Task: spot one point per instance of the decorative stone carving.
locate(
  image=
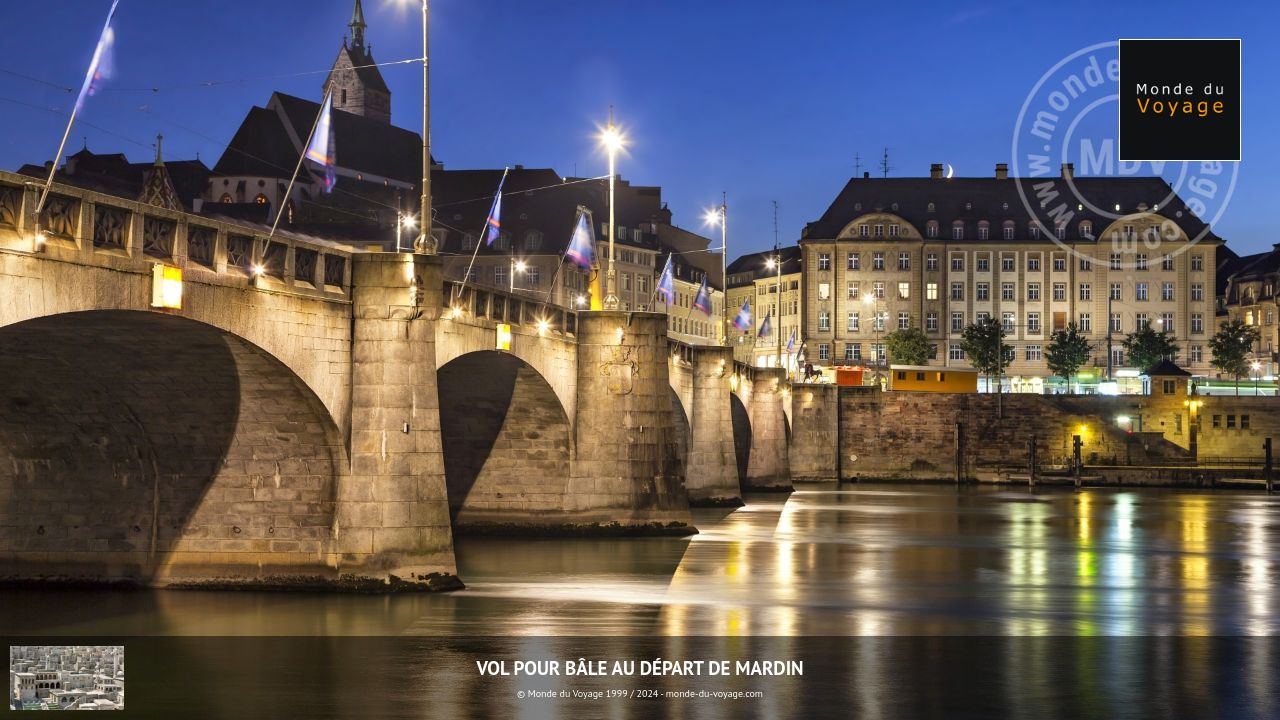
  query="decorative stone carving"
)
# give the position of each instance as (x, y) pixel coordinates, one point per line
(110, 227)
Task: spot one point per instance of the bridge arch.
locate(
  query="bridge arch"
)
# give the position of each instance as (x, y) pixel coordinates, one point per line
(507, 440)
(145, 446)
(741, 435)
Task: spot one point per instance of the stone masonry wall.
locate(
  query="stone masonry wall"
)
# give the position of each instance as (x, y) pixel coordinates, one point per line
(625, 470)
(138, 446)
(506, 441)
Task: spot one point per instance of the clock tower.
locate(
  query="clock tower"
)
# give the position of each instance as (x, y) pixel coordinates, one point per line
(358, 87)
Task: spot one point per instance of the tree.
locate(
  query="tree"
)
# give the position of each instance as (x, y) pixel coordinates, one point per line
(983, 344)
(1147, 347)
(907, 347)
(1231, 346)
(1066, 352)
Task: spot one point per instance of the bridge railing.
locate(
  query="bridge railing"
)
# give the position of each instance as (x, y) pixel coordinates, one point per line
(93, 228)
(487, 303)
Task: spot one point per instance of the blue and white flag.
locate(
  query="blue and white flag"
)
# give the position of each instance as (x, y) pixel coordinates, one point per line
(493, 225)
(666, 284)
(582, 247)
(743, 321)
(791, 341)
(702, 301)
(320, 149)
(766, 327)
(100, 65)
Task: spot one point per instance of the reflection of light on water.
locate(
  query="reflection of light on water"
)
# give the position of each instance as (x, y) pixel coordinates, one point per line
(1193, 514)
(1257, 573)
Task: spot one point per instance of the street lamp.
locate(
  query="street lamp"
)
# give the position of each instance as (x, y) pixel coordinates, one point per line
(407, 222)
(870, 299)
(517, 266)
(775, 263)
(1257, 367)
(613, 140)
(422, 244)
(720, 216)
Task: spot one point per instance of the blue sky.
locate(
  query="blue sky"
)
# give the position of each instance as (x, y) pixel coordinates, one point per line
(762, 100)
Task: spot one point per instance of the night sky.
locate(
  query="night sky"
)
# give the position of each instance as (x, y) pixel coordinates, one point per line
(763, 100)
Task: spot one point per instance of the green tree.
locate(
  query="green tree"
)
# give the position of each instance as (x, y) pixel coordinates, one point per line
(1146, 347)
(1066, 352)
(1231, 346)
(983, 344)
(907, 347)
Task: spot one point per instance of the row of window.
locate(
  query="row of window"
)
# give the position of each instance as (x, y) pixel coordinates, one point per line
(1008, 291)
(691, 326)
(1141, 261)
(1030, 353)
(1032, 325)
(1009, 229)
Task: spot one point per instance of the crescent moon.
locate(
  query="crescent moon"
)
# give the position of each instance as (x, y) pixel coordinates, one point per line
(950, 171)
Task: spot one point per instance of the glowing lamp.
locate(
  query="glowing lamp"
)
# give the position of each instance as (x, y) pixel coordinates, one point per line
(166, 287)
(504, 337)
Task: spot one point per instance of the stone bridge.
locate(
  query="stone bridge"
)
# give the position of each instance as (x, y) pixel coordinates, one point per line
(314, 414)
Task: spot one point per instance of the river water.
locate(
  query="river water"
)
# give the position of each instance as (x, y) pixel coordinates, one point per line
(1032, 596)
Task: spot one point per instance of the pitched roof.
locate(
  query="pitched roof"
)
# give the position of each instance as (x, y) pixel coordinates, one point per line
(972, 199)
(113, 174)
(754, 266)
(1165, 368)
(263, 146)
(366, 68)
(538, 200)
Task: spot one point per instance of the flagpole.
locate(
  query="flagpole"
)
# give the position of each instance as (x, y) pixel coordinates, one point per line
(301, 156)
(467, 275)
(75, 110)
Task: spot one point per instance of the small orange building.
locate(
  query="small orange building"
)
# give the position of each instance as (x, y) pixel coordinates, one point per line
(922, 378)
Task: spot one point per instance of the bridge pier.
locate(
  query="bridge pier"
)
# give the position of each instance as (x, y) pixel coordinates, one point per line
(625, 472)
(391, 522)
(768, 467)
(711, 473)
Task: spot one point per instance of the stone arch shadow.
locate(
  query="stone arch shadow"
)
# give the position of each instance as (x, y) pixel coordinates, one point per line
(507, 442)
(142, 446)
(680, 429)
(741, 436)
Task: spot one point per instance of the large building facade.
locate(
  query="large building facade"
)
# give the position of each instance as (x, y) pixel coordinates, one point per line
(940, 253)
(1249, 294)
(769, 291)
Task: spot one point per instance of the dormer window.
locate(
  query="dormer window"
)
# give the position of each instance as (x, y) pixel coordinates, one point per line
(957, 230)
(1086, 229)
(931, 227)
(984, 230)
(931, 207)
(1007, 230)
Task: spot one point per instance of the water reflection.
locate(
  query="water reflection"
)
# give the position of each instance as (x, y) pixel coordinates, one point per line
(828, 560)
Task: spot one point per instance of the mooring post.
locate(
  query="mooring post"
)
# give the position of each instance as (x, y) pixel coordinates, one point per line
(1031, 461)
(1076, 445)
(1266, 466)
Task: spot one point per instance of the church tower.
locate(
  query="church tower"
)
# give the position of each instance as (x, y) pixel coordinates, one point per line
(357, 84)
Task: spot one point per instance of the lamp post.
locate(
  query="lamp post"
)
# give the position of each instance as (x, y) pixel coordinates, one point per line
(517, 266)
(1257, 368)
(426, 136)
(720, 216)
(611, 138)
(775, 263)
(870, 299)
(406, 222)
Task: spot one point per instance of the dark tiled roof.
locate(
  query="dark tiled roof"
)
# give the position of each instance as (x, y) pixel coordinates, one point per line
(263, 147)
(756, 265)
(1165, 368)
(538, 200)
(973, 199)
(113, 174)
(682, 269)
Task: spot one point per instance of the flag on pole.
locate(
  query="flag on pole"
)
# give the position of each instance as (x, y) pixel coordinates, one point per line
(493, 225)
(100, 65)
(743, 321)
(702, 300)
(791, 341)
(666, 284)
(766, 327)
(582, 247)
(320, 149)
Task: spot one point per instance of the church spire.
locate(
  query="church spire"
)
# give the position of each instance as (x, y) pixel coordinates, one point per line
(357, 26)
